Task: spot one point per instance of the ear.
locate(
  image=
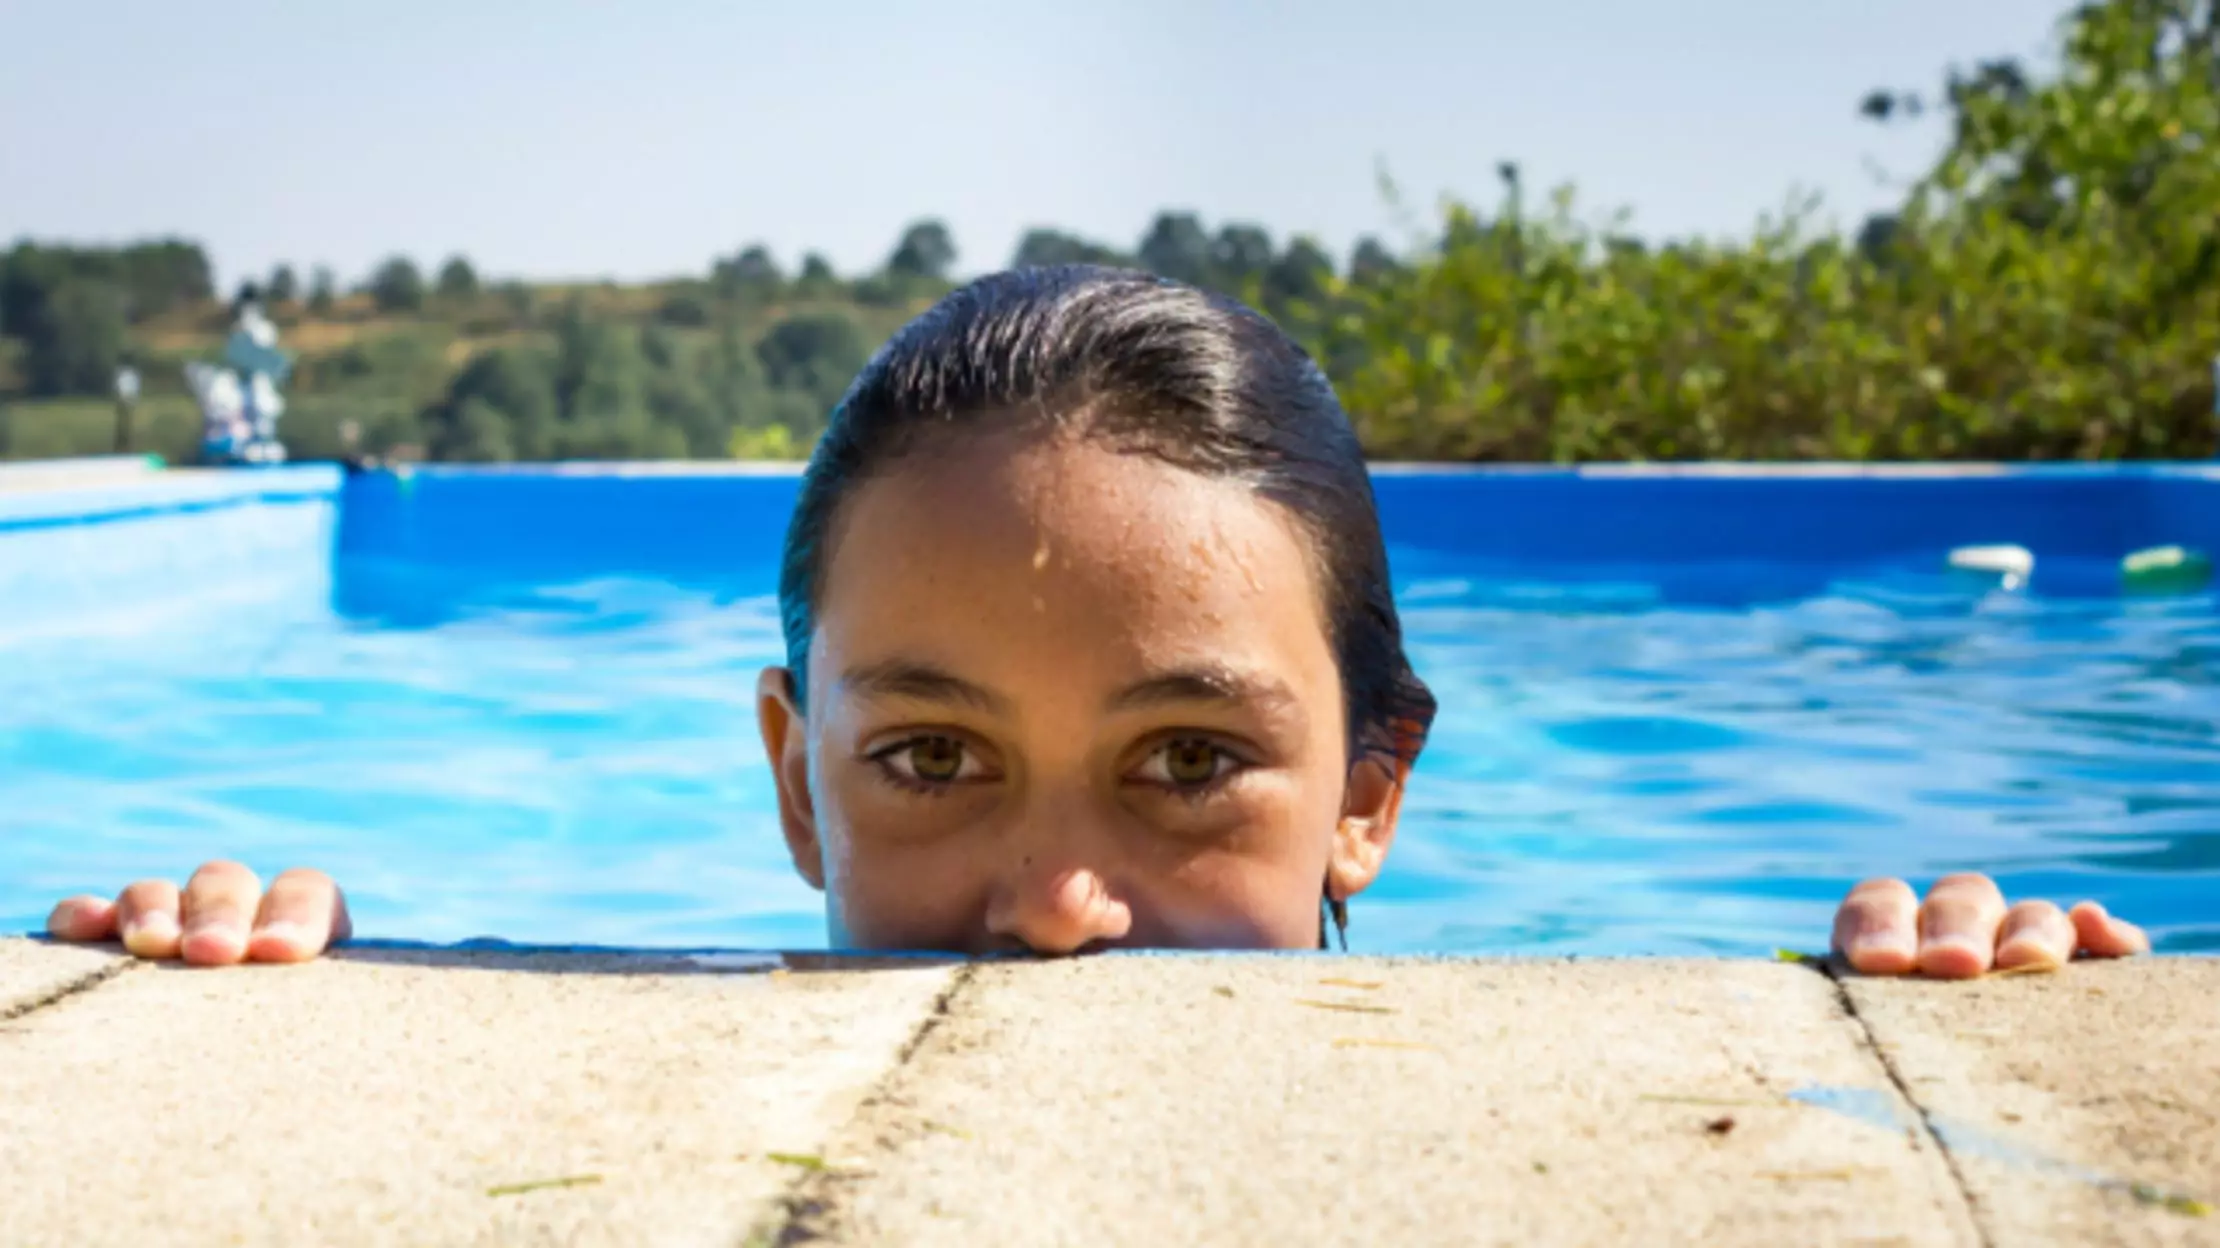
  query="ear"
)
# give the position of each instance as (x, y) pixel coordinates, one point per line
(786, 743)
(1369, 810)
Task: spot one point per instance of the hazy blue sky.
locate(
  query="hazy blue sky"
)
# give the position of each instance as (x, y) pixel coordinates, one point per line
(553, 138)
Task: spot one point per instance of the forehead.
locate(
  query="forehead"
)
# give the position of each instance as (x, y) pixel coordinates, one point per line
(1118, 561)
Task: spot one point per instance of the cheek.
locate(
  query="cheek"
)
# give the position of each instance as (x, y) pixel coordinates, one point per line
(1246, 873)
(1275, 872)
(1267, 819)
(892, 895)
(902, 871)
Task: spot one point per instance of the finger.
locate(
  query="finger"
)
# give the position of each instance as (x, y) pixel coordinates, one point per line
(219, 907)
(147, 918)
(2103, 936)
(82, 918)
(1876, 928)
(301, 914)
(1958, 927)
(2035, 934)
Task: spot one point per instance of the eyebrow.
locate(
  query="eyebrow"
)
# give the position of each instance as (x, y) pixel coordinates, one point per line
(912, 681)
(1207, 683)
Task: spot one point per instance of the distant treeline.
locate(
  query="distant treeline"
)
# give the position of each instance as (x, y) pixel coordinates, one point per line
(2050, 289)
(746, 359)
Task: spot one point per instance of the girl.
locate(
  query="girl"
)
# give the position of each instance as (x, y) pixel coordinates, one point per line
(1089, 644)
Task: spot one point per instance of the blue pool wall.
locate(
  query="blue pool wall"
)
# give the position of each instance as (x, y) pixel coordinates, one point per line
(1541, 520)
(273, 533)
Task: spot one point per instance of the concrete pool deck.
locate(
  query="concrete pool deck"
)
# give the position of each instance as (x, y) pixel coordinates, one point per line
(449, 1096)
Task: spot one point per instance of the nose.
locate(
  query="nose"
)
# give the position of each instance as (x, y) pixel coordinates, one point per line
(1058, 910)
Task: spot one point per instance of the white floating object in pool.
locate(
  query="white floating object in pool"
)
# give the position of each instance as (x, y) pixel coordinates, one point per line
(2167, 570)
(2011, 565)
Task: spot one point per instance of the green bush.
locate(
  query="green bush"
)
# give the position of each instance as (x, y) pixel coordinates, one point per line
(2048, 292)
(167, 425)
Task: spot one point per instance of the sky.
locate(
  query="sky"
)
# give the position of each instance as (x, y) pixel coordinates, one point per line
(560, 139)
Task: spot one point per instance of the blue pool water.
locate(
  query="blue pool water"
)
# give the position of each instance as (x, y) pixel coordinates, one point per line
(1693, 758)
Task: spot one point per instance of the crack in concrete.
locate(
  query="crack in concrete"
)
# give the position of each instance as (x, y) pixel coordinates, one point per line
(806, 1211)
(801, 1210)
(1925, 1122)
(62, 992)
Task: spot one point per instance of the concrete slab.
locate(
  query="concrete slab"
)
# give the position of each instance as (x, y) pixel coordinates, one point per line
(409, 1096)
(2081, 1107)
(1311, 1100)
(396, 1097)
(33, 972)
(71, 474)
(32, 499)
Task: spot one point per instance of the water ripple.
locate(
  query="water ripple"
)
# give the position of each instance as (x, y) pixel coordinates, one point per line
(1613, 770)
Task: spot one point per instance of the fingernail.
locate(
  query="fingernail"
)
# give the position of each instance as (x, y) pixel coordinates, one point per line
(1954, 953)
(152, 931)
(1870, 943)
(154, 923)
(284, 932)
(229, 937)
(2027, 950)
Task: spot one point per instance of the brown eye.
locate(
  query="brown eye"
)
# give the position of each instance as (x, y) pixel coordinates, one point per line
(1192, 768)
(936, 760)
(1192, 762)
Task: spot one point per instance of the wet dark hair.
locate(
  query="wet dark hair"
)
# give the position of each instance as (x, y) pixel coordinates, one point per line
(1151, 367)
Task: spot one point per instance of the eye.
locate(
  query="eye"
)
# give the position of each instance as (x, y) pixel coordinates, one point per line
(929, 761)
(1189, 763)
(938, 759)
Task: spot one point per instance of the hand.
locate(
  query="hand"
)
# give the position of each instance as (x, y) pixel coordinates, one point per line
(1965, 929)
(222, 918)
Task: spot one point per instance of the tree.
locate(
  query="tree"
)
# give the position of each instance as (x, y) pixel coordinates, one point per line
(660, 348)
(478, 433)
(153, 277)
(502, 405)
(2135, 97)
(1176, 246)
(1240, 254)
(1878, 236)
(520, 301)
(752, 273)
(732, 377)
(599, 371)
(1300, 274)
(72, 344)
(817, 273)
(397, 286)
(1370, 259)
(685, 306)
(28, 275)
(283, 286)
(925, 252)
(457, 280)
(1044, 247)
(884, 290)
(679, 396)
(816, 354)
(147, 278)
(321, 290)
(634, 436)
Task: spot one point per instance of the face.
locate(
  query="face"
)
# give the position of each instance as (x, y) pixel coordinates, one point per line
(1061, 698)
